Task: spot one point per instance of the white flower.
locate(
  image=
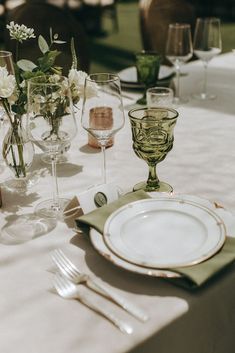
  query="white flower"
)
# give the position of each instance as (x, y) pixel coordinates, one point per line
(20, 32)
(7, 83)
(77, 82)
(13, 98)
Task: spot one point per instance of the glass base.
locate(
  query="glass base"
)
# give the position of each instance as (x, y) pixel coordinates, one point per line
(46, 209)
(21, 184)
(161, 187)
(61, 158)
(142, 101)
(25, 228)
(204, 96)
(180, 100)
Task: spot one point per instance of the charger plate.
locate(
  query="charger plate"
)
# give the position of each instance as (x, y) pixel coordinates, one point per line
(98, 243)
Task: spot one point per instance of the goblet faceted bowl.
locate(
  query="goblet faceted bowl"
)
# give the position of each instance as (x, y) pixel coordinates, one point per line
(153, 137)
(147, 67)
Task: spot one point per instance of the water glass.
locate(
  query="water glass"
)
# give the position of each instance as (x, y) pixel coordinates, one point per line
(153, 137)
(102, 110)
(159, 97)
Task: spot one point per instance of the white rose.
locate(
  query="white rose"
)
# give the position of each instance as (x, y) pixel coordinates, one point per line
(77, 79)
(7, 83)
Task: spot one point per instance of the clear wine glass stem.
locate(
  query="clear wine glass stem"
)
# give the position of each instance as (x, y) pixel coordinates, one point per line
(177, 88)
(204, 90)
(103, 147)
(55, 204)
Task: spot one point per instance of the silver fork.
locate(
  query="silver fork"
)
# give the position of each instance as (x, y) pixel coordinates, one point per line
(69, 290)
(70, 271)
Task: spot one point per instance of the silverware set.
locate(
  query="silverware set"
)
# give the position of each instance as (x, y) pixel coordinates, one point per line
(67, 281)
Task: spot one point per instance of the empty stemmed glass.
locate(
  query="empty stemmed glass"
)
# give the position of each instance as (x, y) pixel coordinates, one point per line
(153, 137)
(51, 126)
(207, 44)
(179, 50)
(147, 67)
(102, 111)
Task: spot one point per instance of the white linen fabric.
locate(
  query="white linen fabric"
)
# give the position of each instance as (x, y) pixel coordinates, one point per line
(34, 319)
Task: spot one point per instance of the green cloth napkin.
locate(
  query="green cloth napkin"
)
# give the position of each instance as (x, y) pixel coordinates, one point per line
(192, 276)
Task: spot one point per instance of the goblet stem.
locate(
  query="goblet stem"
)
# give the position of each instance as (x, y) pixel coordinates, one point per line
(55, 204)
(142, 100)
(204, 90)
(153, 181)
(103, 147)
(177, 88)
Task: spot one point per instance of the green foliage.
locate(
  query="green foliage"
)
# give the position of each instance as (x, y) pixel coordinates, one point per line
(42, 43)
(46, 62)
(26, 65)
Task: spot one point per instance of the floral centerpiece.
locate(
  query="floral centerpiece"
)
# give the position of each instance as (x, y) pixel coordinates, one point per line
(13, 89)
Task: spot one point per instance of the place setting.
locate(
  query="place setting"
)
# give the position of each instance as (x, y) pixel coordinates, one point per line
(133, 232)
(116, 192)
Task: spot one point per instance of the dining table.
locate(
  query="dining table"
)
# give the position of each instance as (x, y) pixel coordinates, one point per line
(35, 319)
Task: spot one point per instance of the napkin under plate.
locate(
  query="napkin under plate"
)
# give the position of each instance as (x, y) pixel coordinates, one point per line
(192, 276)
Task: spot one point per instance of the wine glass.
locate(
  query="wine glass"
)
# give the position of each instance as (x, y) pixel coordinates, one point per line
(207, 44)
(102, 110)
(147, 67)
(152, 135)
(51, 126)
(179, 50)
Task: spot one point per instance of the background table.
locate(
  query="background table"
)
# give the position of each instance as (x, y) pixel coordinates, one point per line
(35, 320)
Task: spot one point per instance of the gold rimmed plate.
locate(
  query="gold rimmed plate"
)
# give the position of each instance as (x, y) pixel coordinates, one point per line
(99, 244)
(164, 233)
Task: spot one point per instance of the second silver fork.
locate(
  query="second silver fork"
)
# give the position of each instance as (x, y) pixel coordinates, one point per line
(70, 271)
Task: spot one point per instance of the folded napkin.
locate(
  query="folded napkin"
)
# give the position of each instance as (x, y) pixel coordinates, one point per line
(192, 276)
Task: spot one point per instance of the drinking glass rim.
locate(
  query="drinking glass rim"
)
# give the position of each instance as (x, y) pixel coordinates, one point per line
(112, 77)
(166, 89)
(179, 25)
(148, 52)
(5, 53)
(176, 114)
(208, 19)
(33, 80)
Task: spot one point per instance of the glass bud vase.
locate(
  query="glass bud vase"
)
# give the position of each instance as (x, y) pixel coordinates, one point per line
(18, 153)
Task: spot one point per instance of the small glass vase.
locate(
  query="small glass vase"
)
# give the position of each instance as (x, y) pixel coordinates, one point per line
(18, 153)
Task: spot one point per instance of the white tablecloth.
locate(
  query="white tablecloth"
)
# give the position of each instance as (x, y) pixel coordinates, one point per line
(36, 320)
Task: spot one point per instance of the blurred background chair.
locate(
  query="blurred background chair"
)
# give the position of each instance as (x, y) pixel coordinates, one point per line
(155, 17)
(110, 10)
(93, 15)
(42, 16)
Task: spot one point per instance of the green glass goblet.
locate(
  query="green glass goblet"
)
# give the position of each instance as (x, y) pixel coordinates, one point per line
(147, 66)
(152, 135)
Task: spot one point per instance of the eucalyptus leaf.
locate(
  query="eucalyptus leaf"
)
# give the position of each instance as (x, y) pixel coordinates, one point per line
(42, 43)
(26, 65)
(59, 41)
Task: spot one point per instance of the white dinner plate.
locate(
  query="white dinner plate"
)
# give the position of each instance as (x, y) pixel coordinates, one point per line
(164, 233)
(99, 244)
(128, 76)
